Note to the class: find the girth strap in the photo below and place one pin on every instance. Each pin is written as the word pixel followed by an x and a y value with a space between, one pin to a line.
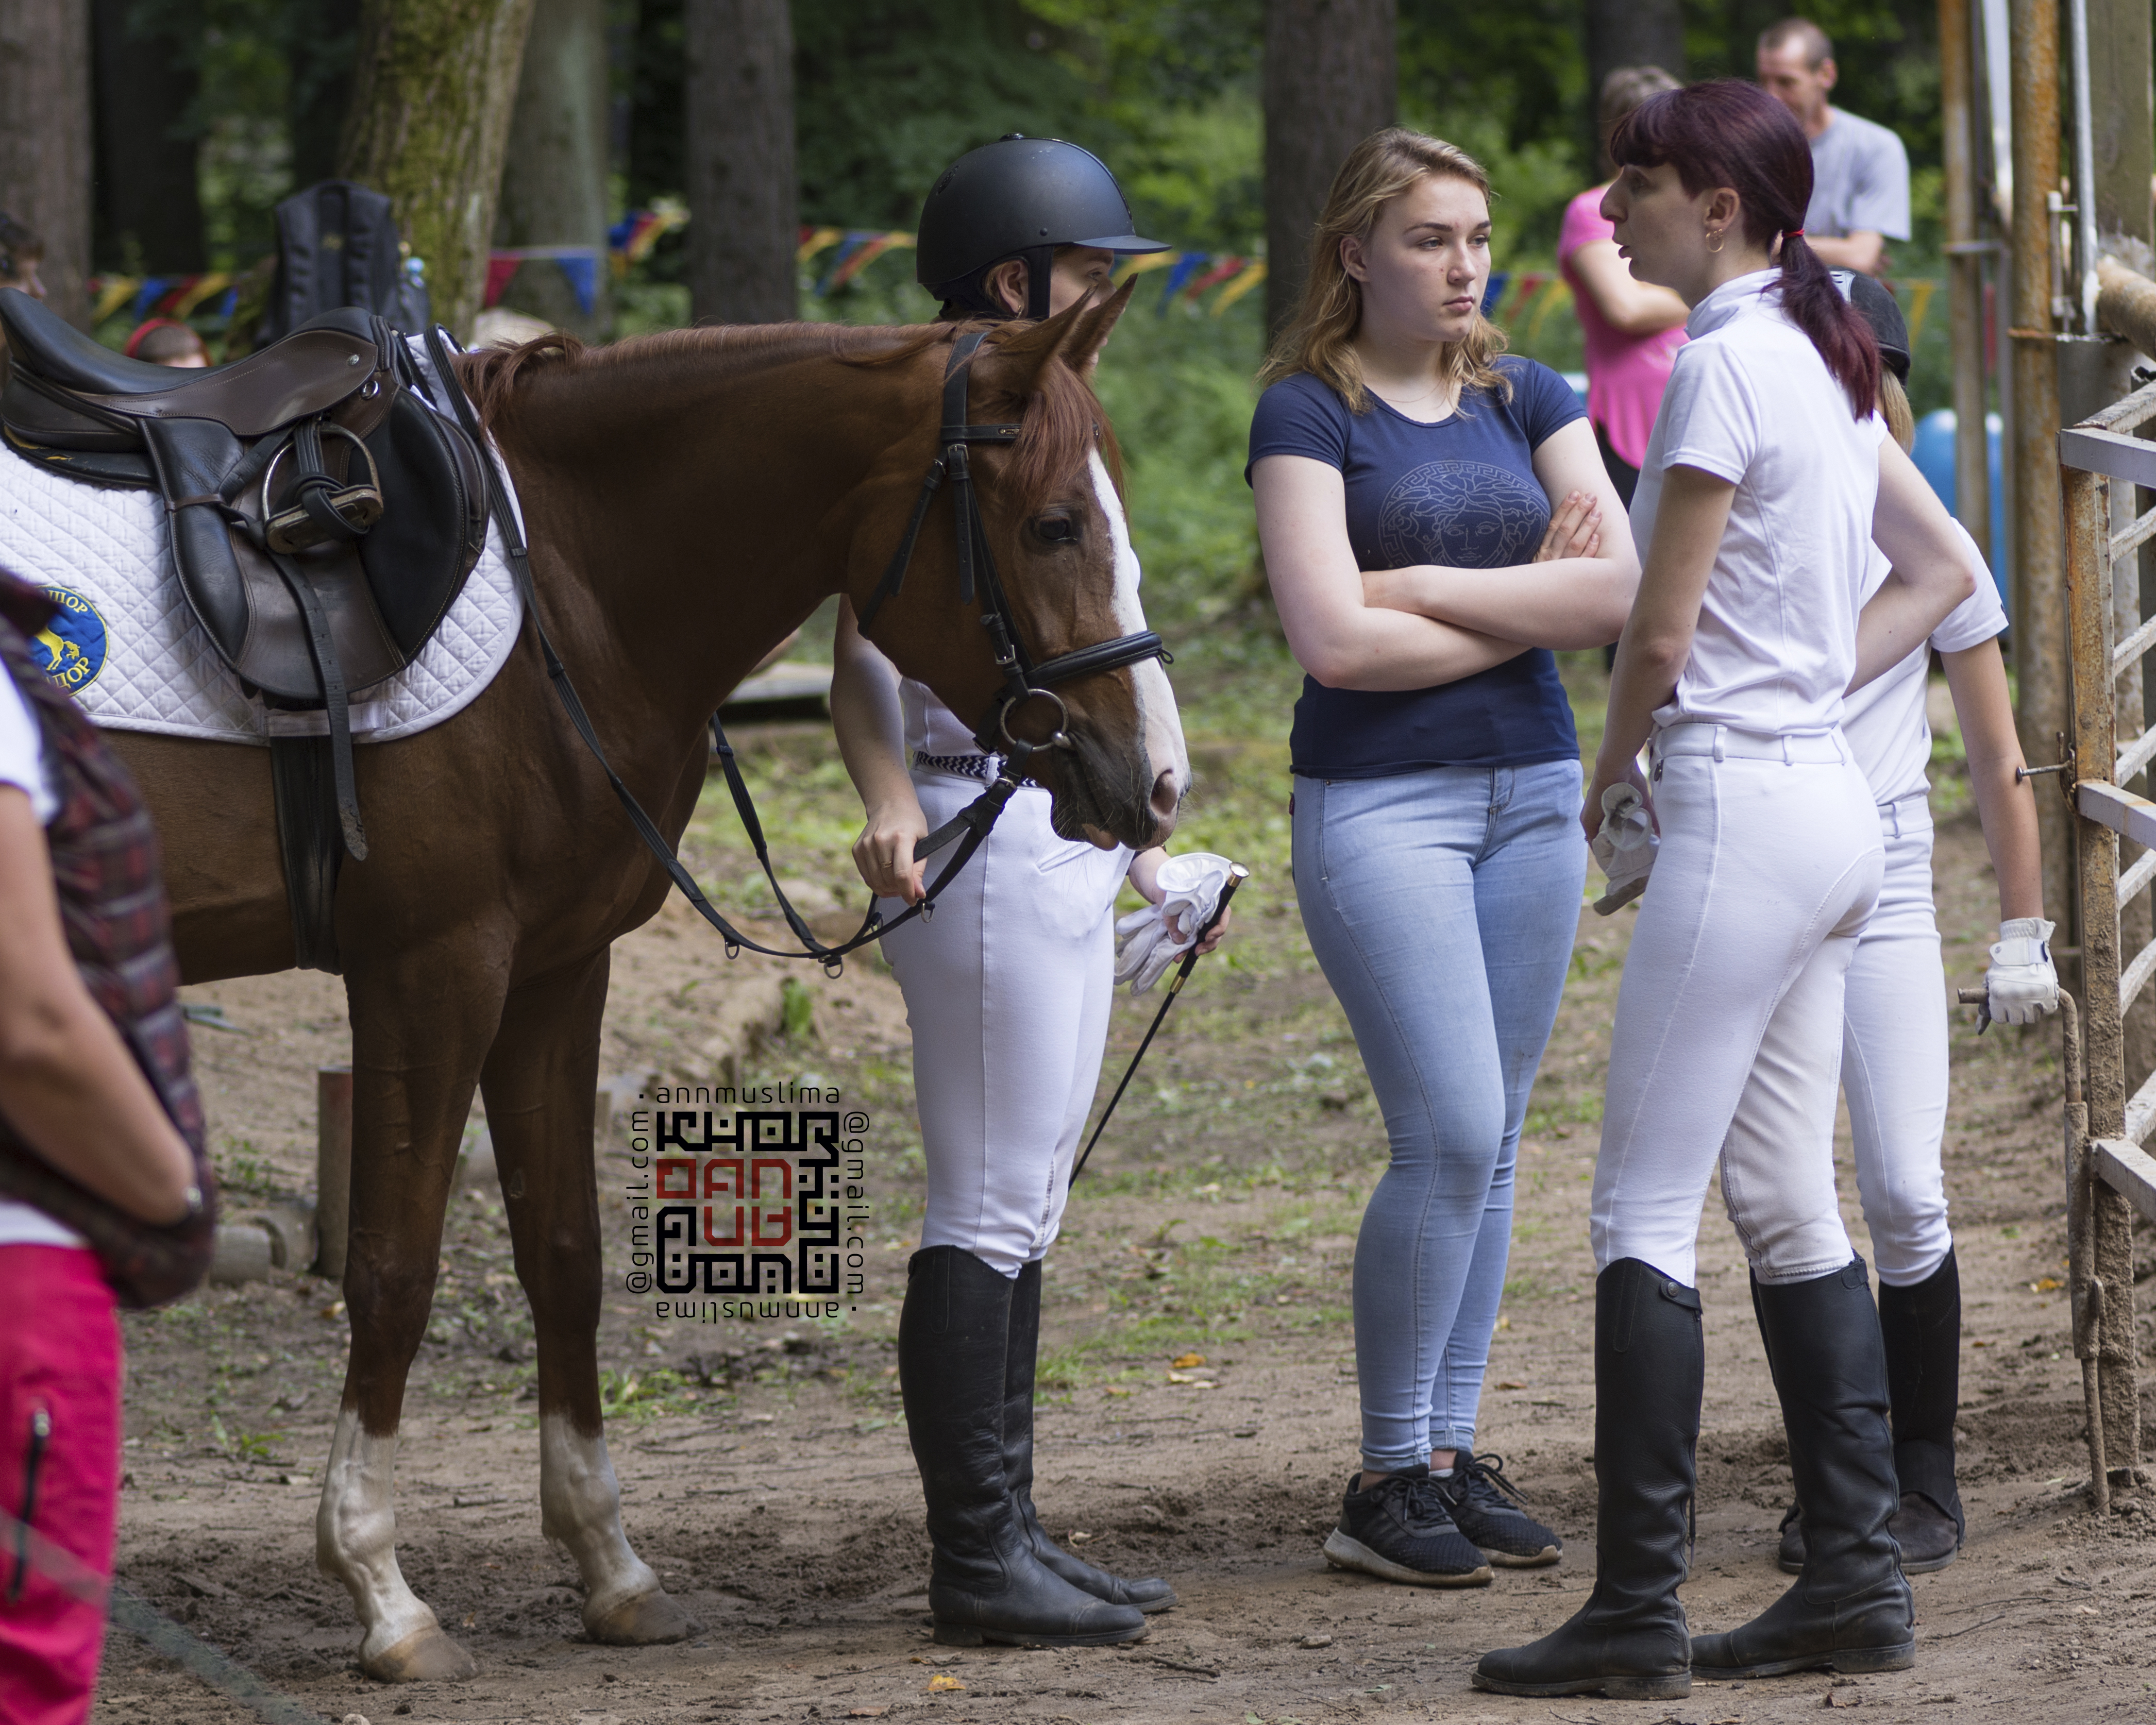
pixel 323 649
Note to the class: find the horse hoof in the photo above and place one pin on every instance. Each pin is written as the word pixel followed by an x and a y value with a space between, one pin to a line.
pixel 426 1655
pixel 647 1620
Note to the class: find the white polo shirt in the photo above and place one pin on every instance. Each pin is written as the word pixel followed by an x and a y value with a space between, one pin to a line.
pixel 23 765
pixel 1750 401
pixel 1884 720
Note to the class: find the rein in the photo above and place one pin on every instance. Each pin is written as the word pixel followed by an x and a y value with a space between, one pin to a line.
pixel 1021 681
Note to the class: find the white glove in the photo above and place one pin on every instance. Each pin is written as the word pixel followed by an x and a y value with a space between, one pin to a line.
pixel 1624 849
pixel 2021 986
pixel 1190 887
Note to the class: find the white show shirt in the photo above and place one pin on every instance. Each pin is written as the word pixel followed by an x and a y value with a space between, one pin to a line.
pixel 1885 720
pixel 1750 401
pixel 23 765
pixel 931 728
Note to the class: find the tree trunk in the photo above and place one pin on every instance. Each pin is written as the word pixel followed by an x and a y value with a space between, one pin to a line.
pixel 149 207
pixel 743 195
pixel 1331 78
pixel 433 84
pixel 322 37
pixel 44 138
pixel 1632 33
pixel 554 185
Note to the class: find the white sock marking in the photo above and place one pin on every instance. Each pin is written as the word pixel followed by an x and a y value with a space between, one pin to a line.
pixel 580 1505
pixel 356 1536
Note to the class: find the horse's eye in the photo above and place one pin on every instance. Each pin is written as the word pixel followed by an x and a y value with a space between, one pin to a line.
pixel 1057 529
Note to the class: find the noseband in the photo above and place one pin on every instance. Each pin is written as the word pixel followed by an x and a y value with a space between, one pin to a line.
pixel 1024 680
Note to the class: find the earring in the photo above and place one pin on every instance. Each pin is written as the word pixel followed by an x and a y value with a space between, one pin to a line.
pixel 1720 237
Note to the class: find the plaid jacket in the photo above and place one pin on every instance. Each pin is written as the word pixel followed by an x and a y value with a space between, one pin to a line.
pixel 112 907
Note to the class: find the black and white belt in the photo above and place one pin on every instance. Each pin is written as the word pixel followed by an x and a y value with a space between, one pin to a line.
pixel 981 767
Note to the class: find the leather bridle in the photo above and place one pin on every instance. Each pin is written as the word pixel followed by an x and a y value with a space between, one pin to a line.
pixel 1024 680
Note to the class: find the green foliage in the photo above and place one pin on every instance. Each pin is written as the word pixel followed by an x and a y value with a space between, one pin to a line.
pixel 796 1011
pixel 890 91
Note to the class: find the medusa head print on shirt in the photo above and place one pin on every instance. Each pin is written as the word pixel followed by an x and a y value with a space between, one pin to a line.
pixel 1464 514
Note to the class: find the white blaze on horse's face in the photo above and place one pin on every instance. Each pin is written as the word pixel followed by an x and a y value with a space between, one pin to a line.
pixel 1159 722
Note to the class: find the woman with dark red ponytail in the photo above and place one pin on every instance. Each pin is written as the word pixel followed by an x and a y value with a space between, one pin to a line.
pixel 1767 481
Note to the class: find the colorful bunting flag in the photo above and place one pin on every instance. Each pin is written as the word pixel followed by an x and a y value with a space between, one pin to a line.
pixel 580 264
pixel 1240 286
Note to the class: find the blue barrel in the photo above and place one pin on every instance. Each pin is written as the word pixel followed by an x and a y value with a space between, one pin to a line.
pixel 1934 456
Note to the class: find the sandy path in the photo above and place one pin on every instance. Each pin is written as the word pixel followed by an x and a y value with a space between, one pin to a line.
pixel 780 1501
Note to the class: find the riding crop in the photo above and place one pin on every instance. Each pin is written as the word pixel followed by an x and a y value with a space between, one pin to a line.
pixel 1237 874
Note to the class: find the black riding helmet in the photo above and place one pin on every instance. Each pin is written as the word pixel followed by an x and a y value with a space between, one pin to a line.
pixel 1018 198
pixel 1872 297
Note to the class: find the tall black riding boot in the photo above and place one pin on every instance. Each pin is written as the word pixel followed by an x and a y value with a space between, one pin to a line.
pixel 1851 1610
pixel 1629 1640
pixel 1150 1595
pixel 1922 1326
pixel 987 1585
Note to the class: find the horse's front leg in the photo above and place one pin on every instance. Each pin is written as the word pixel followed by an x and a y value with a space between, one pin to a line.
pixel 417 1040
pixel 539 1080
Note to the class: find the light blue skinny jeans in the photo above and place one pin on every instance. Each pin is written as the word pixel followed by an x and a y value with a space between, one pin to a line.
pixel 1442 905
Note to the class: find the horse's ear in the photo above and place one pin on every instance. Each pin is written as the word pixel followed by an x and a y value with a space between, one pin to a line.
pixel 1075 335
pixel 1090 334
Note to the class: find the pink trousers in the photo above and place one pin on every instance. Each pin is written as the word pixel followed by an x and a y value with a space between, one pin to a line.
pixel 59 1472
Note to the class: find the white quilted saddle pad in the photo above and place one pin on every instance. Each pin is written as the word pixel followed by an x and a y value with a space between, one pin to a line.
pixel 127 647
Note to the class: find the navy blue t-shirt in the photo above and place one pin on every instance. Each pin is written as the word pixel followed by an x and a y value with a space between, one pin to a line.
pixel 1461 493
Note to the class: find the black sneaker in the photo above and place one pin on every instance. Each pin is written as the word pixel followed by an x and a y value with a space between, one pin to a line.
pixel 1398 1530
pixel 1486 1508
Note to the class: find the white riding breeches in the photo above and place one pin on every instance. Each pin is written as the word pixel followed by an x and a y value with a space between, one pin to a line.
pixel 1728 1041
pixel 1007 990
pixel 1894 1057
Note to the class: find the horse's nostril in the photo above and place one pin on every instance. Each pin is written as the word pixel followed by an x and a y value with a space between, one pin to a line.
pixel 1167 796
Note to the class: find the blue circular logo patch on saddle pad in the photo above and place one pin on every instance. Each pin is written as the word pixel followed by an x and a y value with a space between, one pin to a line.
pixel 71 647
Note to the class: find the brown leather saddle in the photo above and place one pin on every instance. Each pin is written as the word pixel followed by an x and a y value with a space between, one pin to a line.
pixel 325 513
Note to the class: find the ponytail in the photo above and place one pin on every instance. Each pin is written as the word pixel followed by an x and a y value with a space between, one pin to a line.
pixel 1725 132
pixel 1814 305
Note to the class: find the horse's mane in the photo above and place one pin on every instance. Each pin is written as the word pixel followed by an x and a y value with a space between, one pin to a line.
pixel 1057 432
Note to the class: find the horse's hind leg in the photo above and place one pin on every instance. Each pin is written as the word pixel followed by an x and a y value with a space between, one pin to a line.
pixel 541 1080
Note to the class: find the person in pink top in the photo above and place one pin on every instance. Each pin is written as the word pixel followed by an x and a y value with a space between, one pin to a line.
pixel 1632 330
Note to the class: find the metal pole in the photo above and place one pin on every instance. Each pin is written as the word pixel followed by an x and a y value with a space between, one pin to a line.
pixel 2084 167
pixel 2089 575
pixel 1964 275
pixel 2040 627
pixel 2123 122
pixel 2088 600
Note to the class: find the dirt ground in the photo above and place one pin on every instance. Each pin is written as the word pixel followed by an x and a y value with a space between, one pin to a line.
pixel 765 1466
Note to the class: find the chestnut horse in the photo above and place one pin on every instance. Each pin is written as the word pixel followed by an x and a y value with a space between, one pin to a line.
pixel 689 498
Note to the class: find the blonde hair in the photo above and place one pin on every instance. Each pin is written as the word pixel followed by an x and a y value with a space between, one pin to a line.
pixel 1319 339
pixel 1894 408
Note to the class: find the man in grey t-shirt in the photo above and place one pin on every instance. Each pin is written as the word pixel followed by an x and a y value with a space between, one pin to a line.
pixel 1859 170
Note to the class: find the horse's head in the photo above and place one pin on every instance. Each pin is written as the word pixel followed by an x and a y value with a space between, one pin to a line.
pixel 1055 527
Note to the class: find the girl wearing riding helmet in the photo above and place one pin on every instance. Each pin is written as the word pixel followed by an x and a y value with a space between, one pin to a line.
pixel 1435 518
pixel 1894 1037
pixel 1007 990
pixel 1767 481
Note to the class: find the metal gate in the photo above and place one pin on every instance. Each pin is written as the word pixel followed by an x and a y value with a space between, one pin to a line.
pixel 2107 1170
